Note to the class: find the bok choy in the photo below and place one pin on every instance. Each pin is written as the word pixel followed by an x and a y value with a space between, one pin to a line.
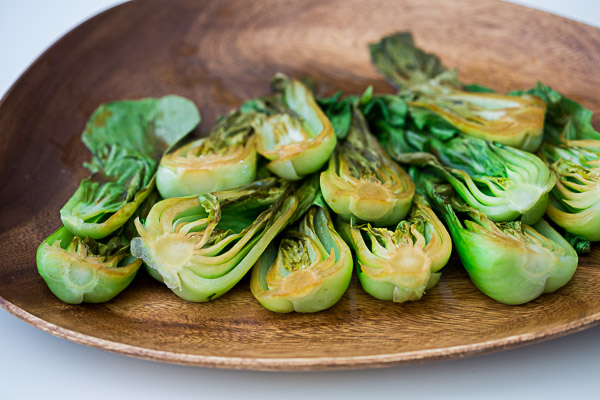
pixel 307 270
pixel 437 94
pixel 201 246
pixel 503 182
pixel 81 270
pixel 225 159
pixel 575 200
pixel 292 131
pixel 511 262
pixel 572 150
pixel 401 263
pixel 362 182
pixel 126 139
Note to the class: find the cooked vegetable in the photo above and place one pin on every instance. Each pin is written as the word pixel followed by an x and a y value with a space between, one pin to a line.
pixel 572 150
pixel 202 246
pixel 361 180
pixel 575 201
pixel 82 270
pixel 307 270
pixel 223 160
pixel 510 262
pixel 503 182
pixel 292 131
pixel 567 122
pixel 85 270
pixel 126 138
pixel 400 264
pixel 434 93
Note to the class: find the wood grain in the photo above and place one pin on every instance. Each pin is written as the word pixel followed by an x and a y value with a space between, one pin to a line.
pixel 219 53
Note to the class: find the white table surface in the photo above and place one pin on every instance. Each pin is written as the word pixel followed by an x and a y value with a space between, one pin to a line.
pixel 36 365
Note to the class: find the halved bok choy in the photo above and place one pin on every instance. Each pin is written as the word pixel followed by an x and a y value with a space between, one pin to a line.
pixel 201 246
pixel 225 159
pixel 400 263
pixel 511 262
pixel 84 270
pixel 575 200
pixel 307 269
pixel 434 93
pixel 503 182
pixel 292 131
pixel 362 182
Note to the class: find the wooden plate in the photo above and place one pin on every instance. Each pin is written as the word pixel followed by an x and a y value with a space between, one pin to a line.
pixel 219 53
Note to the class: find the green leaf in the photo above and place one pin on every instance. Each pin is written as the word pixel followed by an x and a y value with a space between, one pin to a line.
pixel 402 63
pixel 338 112
pixel 566 120
pixel 126 138
pixel 476 88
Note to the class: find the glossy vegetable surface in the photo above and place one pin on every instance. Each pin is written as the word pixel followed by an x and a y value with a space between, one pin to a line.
pixel 399 264
pixel 307 270
pixel 82 270
pixel 503 182
pixel 201 246
pixel 362 181
pixel 292 131
pixel 225 159
pixel 511 262
pixel 436 93
pixel 126 138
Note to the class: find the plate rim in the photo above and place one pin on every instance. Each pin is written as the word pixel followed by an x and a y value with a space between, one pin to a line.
pixel 305 363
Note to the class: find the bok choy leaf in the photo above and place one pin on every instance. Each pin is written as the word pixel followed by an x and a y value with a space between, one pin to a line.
pixel 126 139
pixel 436 93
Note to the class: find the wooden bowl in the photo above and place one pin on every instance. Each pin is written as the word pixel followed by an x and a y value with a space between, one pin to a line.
pixel 219 53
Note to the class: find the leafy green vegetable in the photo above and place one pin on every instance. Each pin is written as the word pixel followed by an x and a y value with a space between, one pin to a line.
pixel 511 262
pixel 503 182
pixel 400 264
pixel 406 66
pixel 82 270
pixel 292 131
pixel 339 113
pixel 126 139
pixel 572 150
pixel 308 270
pixel 86 270
pixel 567 122
pixel 201 246
pixel 433 92
pixel 362 182
pixel 575 200
pixel 223 160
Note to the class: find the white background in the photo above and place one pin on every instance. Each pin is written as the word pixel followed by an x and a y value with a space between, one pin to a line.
pixel 35 365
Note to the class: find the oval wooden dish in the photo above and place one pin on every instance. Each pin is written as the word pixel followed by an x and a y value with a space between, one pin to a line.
pixel 219 53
